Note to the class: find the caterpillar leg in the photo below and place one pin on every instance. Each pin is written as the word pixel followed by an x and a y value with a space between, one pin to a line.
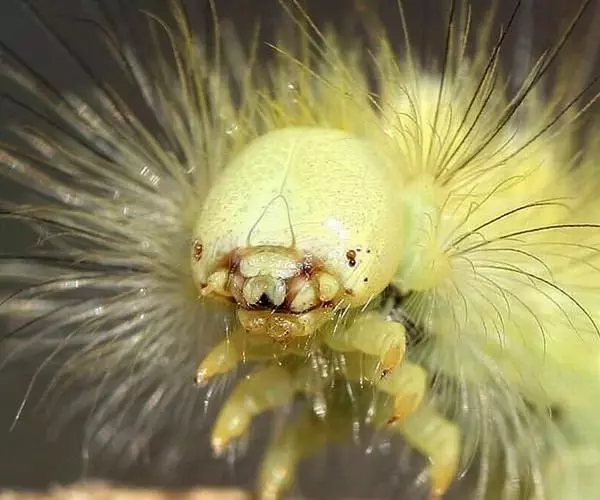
pixel 407 384
pixel 260 391
pixel 295 441
pixel 420 425
pixel 240 347
pixel 220 360
pixel 371 334
pixel 436 438
pixel 309 431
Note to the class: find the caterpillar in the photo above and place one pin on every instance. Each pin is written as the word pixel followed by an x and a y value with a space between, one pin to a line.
pixel 370 238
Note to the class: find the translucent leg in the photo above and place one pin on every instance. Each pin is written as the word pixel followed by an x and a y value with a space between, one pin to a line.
pixel 371 334
pixel 295 441
pixel 406 383
pixel 240 347
pixel 262 390
pixel 221 359
pixel 436 438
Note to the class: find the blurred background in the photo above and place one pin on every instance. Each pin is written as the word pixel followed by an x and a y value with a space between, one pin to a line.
pixel 35 451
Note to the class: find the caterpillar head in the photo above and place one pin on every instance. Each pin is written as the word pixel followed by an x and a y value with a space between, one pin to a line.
pixel 302 221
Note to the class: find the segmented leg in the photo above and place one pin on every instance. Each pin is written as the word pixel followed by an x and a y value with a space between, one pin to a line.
pixel 260 391
pixel 383 342
pixel 240 347
pixel 368 345
pixel 371 334
pixel 407 384
pixel 436 438
pixel 221 359
pixel 295 441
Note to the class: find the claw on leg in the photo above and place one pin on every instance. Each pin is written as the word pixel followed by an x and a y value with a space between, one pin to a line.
pixel 260 391
pixel 407 384
pixel 436 438
pixel 372 334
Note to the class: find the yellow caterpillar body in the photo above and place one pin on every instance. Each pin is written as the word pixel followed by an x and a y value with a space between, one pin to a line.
pixel 418 253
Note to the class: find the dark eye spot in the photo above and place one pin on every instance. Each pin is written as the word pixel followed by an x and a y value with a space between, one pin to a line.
pixel 197 249
pixel 351 257
pixel 365 280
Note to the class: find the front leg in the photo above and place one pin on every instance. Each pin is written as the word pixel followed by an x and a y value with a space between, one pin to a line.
pixel 436 438
pixel 294 442
pixel 406 383
pixel 262 390
pixel 239 347
pixel 371 334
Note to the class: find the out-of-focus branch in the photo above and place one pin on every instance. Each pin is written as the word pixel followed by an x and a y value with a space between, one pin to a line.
pixel 101 491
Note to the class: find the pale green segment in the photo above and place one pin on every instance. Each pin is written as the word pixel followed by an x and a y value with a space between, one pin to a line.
pixel 323 191
pixel 298 439
pixel 369 333
pixel 438 439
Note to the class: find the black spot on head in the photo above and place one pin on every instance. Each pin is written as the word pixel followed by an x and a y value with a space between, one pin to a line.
pixel 351 257
pixel 365 280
